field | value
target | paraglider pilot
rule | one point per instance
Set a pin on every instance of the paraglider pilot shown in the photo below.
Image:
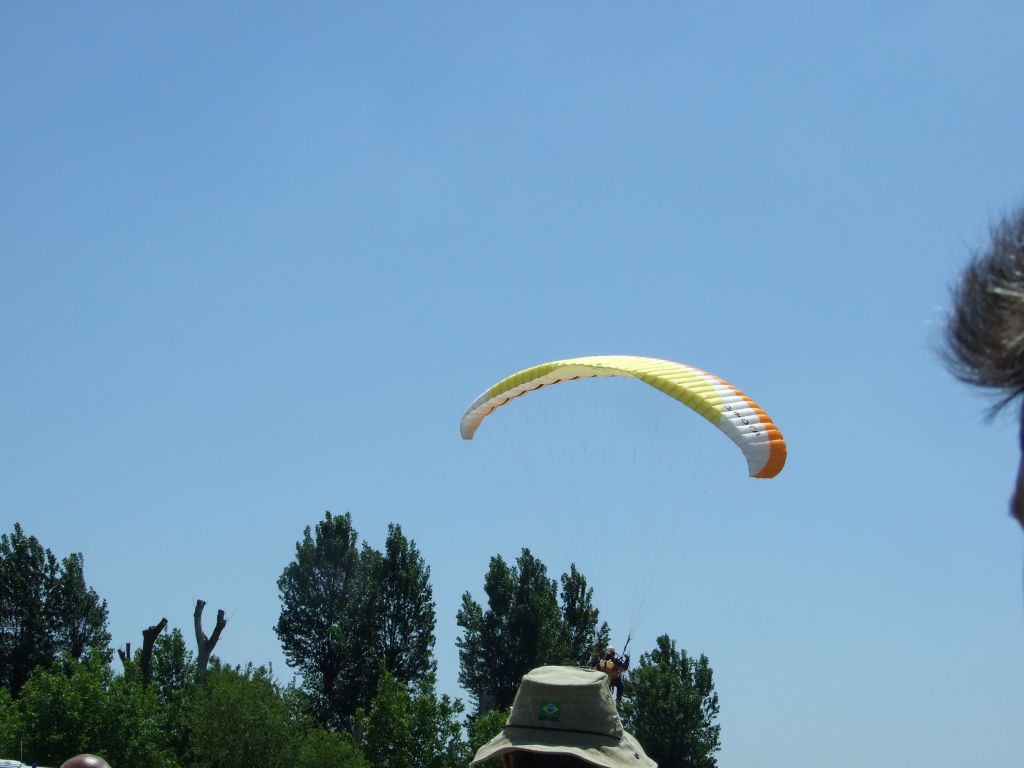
(614, 666)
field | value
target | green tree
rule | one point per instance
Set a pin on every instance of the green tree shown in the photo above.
(174, 666)
(81, 616)
(317, 626)
(312, 745)
(173, 681)
(318, 748)
(46, 609)
(483, 728)
(83, 707)
(61, 714)
(671, 707)
(522, 628)
(134, 726)
(583, 636)
(401, 607)
(388, 725)
(28, 581)
(345, 612)
(412, 729)
(10, 724)
(437, 728)
(240, 720)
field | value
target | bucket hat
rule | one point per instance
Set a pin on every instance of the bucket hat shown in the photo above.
(567, 711)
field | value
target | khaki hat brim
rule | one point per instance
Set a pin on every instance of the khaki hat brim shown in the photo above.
(593, 748)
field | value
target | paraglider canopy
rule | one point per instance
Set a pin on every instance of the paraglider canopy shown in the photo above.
(728, 408)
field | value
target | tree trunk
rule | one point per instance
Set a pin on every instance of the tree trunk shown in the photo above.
(125, 654)
(206, 644)
(148, 639)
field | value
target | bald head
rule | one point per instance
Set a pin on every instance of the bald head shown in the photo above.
(85, 761)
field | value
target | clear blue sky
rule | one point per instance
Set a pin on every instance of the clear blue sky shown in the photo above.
(255, 262)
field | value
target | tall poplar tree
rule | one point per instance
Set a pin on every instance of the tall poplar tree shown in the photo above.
(46, 609)
(672, 708)
(522, 627)
(396, 612)
(346, 610)
(583, 636)
(318, 591)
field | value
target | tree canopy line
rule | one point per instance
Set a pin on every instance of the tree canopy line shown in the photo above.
(357, 624)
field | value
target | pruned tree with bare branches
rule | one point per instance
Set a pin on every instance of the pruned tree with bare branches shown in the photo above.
(149, 636)
(206, 644)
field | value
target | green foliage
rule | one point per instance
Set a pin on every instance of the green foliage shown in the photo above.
(359, 624)
(388, 725)
(83, 707)
(174, 674)
(241, 719)
(317, 628)
(437, 731)
(81, 617)
(671, 707)
(412, 730)
(580, 615)
(174, 666)
(134, 726)
(61, 714)
(399, 606)
(10, 724)
(28, 578)
(46, 609)
(522, 628)
(319, 748)
(344, 611)
(483, 728)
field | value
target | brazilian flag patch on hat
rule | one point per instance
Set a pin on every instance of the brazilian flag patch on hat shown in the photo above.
(549, 710)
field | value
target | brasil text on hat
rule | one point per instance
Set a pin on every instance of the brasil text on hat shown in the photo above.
(567, 711)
